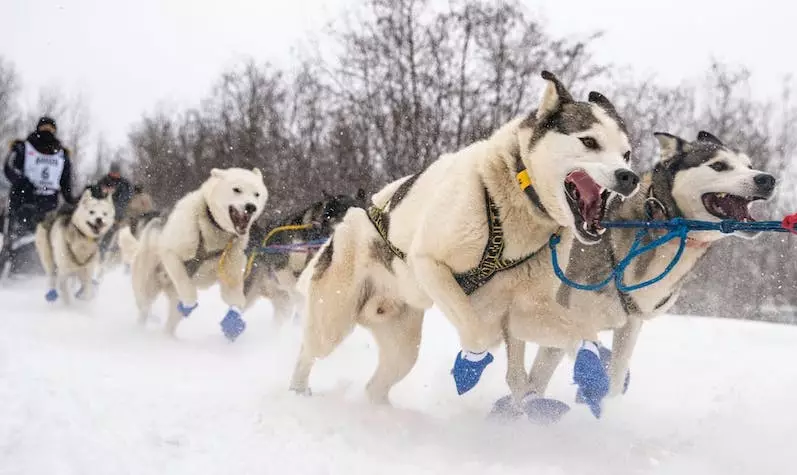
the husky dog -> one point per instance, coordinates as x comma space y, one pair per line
703, 180
274, 275
200, 242
130, 232
67, 242
463, 235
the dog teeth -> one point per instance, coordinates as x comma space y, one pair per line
722, 195
601, 231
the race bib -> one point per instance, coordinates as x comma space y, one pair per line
44, 171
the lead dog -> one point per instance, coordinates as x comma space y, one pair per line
463, 235
199, 243
703, 180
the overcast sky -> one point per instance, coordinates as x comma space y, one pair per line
127, 56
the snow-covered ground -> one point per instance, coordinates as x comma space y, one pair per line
85, 391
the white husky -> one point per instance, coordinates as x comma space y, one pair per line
199, 243
462, 234
67, 242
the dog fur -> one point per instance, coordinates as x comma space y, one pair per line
558, 319
197, 244
67, 242
437, 218
274, 276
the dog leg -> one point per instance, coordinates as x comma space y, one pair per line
184, 286
174, 314
545, 363
398, 338
283, 308
86, 291
63, 287
516, 366
623, 344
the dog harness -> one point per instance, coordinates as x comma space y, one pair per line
492, 260
202, 255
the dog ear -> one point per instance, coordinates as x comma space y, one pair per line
360, 194
217, 173
671, 145
258, 173
600, 100
704, 136
554, 96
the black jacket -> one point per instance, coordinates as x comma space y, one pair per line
22, 190
123, 192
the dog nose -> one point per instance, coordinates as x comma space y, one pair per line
250, 208
98, 221
626, 181
765, 182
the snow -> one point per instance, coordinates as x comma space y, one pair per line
85, 391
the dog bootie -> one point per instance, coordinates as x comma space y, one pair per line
186, 310
468, 368
51, 295
232, 325
544, 411
506, 409
591, 377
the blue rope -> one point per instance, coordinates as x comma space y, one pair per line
677, 228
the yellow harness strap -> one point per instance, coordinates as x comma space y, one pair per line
288, 227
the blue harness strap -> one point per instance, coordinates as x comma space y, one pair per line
677, 228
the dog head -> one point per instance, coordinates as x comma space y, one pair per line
334, 208
235, 197
94, 214
578, 154
708, 181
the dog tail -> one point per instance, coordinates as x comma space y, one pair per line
128, 245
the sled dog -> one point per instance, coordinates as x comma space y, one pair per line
67, 242
702, 180
273, 275
464, 234
199, 243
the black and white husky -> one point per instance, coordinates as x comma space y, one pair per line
702, 180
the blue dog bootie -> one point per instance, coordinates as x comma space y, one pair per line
591, 377
543, 410
232, 325
51, 295
468, 368
185, 310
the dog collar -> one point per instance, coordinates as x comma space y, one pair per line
525, 183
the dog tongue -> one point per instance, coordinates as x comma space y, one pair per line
589, 195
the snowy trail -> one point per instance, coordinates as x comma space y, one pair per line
85, 391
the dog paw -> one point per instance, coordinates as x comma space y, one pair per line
467, 373
592, 379
506, 409
51, 295
185, 310
232, 325
544, 411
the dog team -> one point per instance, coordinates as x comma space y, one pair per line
468, 234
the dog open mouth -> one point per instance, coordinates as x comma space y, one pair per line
96, 228
728, 206
587, 200
240, 220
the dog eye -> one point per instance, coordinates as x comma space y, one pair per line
590, 143
91, 212
627, 156
257, 195
237, 191
719, 166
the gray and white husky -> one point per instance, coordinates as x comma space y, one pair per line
702, 180
68, 240
463, 235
